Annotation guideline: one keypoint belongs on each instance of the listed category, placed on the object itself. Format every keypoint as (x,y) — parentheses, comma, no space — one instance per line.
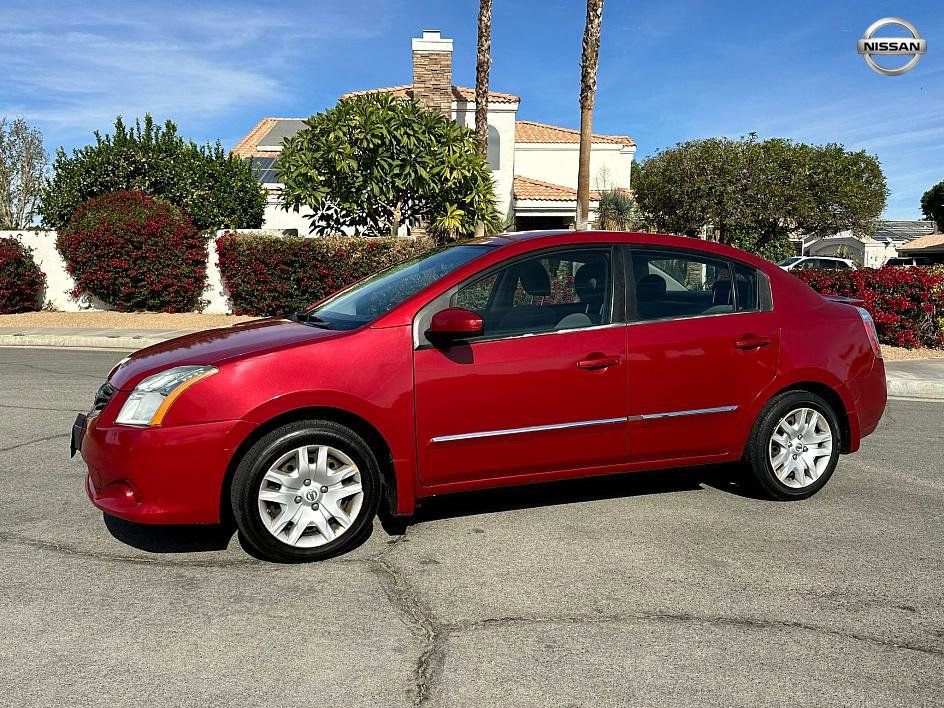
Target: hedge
(268,275)
(21,281)
(135,252)
(907,304)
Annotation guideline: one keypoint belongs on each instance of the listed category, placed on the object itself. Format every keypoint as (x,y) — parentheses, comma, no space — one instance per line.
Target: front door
(543,389)
(699,352)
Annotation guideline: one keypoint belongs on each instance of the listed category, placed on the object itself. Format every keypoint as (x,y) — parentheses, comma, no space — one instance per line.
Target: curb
(915,388)
(79,341)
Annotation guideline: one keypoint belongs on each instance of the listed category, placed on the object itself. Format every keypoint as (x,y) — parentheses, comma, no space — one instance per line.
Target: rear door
(543,389)
(697,357)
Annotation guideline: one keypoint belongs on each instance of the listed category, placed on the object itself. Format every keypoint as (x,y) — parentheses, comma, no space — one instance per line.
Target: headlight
(152,398)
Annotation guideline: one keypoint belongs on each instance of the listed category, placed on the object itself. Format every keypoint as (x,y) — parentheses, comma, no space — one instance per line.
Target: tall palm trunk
(483,61)
(588,88)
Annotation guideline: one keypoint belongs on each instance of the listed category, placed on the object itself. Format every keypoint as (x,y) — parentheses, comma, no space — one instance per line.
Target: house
(871,251)
(534,165)
(930,246)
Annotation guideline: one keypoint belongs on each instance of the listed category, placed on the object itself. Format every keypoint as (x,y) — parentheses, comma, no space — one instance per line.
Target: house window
(494,148)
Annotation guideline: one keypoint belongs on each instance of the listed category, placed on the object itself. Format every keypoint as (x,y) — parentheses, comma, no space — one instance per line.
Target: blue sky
(669,71)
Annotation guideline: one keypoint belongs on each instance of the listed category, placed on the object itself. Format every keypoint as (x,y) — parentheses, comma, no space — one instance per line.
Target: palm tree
(588,87)
(483,61)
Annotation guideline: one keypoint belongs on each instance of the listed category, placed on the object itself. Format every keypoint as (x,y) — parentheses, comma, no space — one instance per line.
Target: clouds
(73,67)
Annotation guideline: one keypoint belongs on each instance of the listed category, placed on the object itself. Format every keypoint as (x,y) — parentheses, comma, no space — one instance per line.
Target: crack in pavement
(422,622)
(32,408)
(58,436)
(685,617)
(70,550)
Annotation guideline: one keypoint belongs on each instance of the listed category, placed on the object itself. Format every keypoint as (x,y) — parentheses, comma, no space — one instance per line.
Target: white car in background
(809,262)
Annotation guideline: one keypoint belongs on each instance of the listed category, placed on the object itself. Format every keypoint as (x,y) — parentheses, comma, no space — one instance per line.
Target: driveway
(671,588)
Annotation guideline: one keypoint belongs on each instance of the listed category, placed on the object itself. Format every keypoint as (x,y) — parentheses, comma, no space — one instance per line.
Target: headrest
(650,287)
(589,280)
(534,279)
(721,293)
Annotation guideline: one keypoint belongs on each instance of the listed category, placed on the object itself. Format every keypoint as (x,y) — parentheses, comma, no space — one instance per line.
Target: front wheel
(306,491)
(794,446)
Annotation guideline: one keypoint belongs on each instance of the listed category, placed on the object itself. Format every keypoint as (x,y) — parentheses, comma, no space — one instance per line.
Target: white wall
(502,117)
(59,283)
(557,163)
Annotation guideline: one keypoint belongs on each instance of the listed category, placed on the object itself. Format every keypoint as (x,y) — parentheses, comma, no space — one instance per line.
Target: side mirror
(454,323)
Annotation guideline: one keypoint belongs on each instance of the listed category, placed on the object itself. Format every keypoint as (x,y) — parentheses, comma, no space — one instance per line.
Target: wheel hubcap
(800,447)
(310,496)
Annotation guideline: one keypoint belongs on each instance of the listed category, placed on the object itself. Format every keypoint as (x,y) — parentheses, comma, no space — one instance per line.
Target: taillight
(870,330)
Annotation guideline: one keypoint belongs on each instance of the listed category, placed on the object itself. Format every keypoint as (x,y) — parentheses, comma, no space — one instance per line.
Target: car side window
(549,292)
(746,292)
(676,284)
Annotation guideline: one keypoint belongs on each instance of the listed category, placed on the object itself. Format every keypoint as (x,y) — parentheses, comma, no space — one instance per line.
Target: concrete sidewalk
(86,337)
(914,378)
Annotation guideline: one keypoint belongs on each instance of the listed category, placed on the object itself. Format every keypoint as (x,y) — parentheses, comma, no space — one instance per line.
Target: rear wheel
(306,491)
(794,446)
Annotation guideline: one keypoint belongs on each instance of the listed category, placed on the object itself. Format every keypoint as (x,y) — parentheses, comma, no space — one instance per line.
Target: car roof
(557,237)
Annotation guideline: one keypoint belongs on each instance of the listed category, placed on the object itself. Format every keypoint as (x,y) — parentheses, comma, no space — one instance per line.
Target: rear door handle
(752,342)
(602,362)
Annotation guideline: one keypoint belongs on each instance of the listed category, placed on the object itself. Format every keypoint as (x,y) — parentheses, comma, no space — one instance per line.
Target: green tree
(23,162)
(217,190)
(374,162)
(754,194)
(932,204)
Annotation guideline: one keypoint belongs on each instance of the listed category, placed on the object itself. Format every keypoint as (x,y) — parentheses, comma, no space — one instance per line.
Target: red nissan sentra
(508,360)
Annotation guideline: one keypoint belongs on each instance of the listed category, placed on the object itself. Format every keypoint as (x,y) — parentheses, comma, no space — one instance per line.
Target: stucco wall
(557,163)
(502,117)
(59,283)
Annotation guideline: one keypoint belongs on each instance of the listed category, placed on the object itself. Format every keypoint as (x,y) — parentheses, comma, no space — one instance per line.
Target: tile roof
(930,241)
(459,93)
(528,131)
(528,188)
(247,146)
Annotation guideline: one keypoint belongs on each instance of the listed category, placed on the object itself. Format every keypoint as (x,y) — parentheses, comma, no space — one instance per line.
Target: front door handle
(751,342)
(600,362)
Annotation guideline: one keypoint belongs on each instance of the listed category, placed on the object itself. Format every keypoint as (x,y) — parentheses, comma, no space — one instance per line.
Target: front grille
(102,397)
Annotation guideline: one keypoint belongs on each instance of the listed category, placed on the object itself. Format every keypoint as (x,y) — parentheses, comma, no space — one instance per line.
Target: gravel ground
(121,320)
(899,353)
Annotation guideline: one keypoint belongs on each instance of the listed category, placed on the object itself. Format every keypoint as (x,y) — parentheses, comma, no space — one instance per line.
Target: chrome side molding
(679,414)
(579,424)
(529,429)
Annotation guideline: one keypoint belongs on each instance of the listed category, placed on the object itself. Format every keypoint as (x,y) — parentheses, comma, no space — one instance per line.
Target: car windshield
(789,261)
(380,293)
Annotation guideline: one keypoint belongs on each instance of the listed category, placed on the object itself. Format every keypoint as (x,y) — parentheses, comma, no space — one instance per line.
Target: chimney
(432,72)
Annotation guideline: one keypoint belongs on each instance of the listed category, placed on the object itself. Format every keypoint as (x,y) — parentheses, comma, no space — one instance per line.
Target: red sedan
(508,360)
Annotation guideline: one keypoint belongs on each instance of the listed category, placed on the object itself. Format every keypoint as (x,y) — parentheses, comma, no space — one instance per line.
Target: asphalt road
(656,589)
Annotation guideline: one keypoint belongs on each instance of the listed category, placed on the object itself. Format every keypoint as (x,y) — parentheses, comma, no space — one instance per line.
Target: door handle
(751,342)
(600,362)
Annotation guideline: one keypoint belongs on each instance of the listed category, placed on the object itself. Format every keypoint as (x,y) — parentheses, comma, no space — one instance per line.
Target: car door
(696,359)
(543,389)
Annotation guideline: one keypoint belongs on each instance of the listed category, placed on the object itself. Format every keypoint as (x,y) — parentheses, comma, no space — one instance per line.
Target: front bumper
(161,475)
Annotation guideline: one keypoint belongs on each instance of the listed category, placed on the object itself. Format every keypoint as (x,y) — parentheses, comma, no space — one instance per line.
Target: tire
(271,479)
(804,464)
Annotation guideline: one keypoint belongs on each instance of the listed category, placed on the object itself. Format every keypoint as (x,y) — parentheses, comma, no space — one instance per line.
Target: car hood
(215,346)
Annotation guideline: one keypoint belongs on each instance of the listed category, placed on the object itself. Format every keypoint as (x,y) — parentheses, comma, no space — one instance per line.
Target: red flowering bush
(135,252)
(268,275)
(21,281)
(907,304)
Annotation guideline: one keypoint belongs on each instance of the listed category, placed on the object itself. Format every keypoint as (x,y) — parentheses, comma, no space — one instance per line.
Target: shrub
(21,280)
(135,252)
(268,275)
(215,188)
(907,304)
